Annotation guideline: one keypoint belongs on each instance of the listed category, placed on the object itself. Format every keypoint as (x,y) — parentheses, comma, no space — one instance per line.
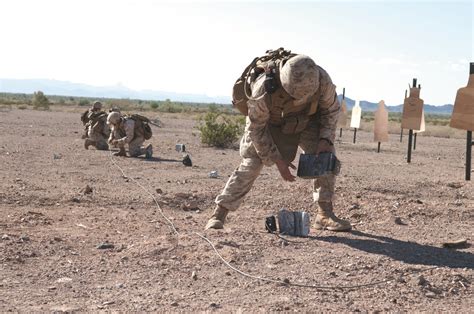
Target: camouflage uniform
(257,147)
(96,129)
(127,132)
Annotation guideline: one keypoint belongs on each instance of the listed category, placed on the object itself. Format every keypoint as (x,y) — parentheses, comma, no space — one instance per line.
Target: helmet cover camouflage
(299,77)
(113,118)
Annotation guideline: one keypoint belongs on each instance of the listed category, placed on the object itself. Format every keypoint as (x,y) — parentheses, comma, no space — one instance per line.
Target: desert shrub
(212,107)
(40,101)
(154,105)
(170,107)
(84,102)
(220,131)
(22,107)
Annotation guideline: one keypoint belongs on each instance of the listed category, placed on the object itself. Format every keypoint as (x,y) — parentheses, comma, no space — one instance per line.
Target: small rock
(5,237)
(51,288)
(57,156)
(419,201)
(462,243)
(87,190)
(398,221)
(213,174)
(105,245)
(108,302)
(286,281)
(57,239)
(455,185)
(64,279)
(354,206)
(76,200)
(192,205)
(215,305)
(422,281)
(119,285)
(24,238)
(194,276)
(430,294)
(174,304)
(159,191)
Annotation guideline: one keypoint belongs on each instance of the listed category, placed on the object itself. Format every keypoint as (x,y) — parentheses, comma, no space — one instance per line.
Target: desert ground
(77,234)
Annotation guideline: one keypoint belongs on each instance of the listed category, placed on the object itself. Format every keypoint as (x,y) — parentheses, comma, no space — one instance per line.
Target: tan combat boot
(149,151)
(88,142)
(218,218)
(325,219)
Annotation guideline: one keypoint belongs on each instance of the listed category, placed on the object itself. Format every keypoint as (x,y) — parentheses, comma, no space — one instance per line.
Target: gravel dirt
(78,235)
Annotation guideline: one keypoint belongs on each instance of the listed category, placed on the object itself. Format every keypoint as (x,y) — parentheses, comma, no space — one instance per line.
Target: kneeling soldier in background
(132,130)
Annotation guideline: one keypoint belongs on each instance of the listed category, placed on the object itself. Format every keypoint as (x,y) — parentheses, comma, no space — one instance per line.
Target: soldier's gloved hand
(114,142)
(283,167)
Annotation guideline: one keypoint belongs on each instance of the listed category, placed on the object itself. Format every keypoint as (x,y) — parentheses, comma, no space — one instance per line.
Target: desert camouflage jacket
(259,116)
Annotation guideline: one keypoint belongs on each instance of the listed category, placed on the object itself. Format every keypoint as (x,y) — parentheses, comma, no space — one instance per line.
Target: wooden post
(469,144)
(343,97)
(355,135)
(410,135)
(378,148)
(410,138)
(414,141)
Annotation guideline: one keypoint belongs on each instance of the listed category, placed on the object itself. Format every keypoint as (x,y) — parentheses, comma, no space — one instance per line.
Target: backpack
(84,118)
(144,121)
(269,63)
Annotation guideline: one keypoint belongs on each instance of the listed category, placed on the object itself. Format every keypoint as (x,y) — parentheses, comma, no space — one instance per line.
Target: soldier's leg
(89,139)
(98,140)
(135,147)
(238,185)
(323,187)
(101,143)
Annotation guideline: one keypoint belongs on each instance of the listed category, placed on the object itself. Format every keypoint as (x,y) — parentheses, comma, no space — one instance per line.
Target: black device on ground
(270,224)
(181,148)
(313,166)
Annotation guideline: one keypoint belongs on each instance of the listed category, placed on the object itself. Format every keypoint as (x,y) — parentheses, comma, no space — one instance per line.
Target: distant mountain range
(372,106)
(64,88)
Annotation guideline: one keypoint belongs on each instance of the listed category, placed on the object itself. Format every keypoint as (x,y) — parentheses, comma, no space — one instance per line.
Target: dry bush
(219,130)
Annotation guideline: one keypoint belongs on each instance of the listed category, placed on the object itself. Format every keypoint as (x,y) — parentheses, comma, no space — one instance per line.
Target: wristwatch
(327,140)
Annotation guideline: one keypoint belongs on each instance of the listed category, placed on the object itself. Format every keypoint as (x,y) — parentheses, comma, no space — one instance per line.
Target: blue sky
(373,48)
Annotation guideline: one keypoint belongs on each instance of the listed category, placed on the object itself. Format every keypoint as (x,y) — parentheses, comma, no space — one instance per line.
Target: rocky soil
(77,234)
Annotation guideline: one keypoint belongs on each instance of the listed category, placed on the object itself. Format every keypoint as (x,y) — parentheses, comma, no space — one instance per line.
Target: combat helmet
(299,77)
(97,105)
(113,118)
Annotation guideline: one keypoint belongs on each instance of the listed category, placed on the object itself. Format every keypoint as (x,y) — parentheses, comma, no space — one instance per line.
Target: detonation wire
(170,223)
(281,282)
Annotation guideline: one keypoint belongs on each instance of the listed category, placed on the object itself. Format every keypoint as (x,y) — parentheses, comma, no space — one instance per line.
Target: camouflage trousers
(135,147)
(242,178)
(98,138)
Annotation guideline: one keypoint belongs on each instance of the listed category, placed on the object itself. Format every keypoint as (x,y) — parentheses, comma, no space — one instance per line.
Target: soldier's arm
(129,126)
(259,116)
(328,107)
